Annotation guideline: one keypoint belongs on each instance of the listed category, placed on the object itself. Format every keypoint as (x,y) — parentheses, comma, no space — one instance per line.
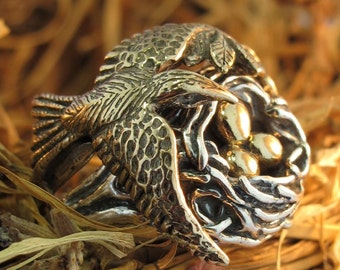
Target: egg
(242,162)
(235,121)
(268,146)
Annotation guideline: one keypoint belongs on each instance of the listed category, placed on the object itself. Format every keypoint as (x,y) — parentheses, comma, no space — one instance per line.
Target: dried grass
(57,46)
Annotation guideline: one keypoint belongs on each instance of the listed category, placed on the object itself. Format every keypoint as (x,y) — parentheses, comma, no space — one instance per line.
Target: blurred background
(57,46)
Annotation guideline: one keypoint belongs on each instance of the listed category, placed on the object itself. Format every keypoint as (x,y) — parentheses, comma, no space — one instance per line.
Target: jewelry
(192,134)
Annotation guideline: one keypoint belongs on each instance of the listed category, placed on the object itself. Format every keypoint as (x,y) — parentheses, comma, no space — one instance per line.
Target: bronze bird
(192,134)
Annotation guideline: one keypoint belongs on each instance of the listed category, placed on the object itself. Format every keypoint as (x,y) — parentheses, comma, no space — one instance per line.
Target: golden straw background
(57,46)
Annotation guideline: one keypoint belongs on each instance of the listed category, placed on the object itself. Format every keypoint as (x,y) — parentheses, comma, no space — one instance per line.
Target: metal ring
(192,134)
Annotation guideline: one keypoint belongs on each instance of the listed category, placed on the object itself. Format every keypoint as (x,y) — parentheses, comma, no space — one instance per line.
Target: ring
(192,134)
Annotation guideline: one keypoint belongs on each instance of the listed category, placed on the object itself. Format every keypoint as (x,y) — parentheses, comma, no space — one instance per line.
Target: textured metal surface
(192,134)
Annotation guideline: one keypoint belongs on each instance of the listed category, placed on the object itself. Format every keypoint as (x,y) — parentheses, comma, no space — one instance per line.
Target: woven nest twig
(57,46)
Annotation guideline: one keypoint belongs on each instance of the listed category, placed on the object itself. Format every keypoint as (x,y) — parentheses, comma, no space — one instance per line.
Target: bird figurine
(191,133)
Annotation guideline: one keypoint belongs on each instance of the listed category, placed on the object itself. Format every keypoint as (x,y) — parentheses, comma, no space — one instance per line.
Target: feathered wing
(146,145)
(65,124)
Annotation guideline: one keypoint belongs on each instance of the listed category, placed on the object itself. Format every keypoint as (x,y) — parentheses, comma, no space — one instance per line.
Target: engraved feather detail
(191,133)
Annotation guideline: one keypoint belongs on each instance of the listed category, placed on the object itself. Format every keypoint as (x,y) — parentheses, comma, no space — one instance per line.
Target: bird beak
(211,89)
